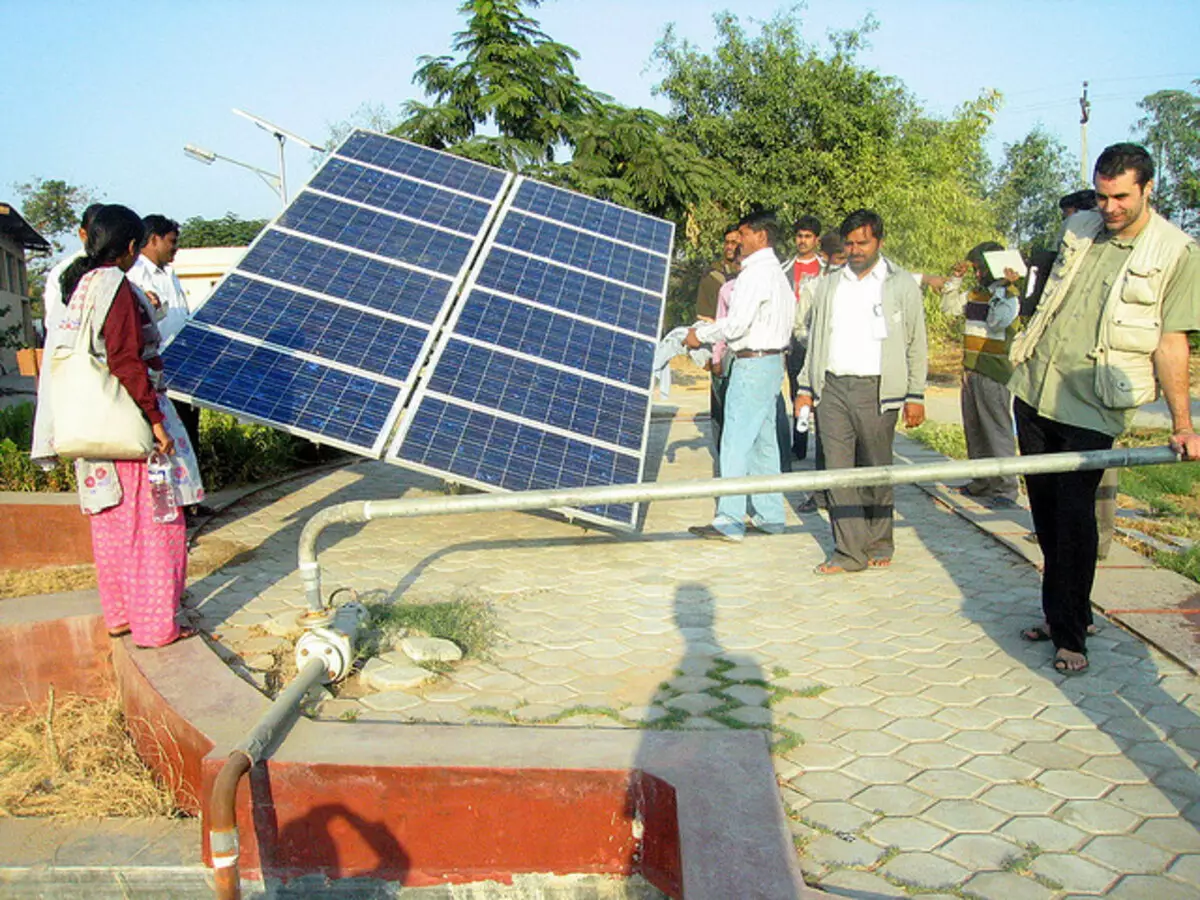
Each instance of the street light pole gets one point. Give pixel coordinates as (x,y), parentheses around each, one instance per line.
(281,135)
(208,157)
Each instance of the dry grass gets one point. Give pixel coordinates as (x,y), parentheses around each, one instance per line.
(50,580)
(74,760)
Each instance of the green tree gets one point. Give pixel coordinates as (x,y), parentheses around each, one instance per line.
(1171,131)
(510,76)
(54,207)
(227,231)
(803,129)
(1035,172)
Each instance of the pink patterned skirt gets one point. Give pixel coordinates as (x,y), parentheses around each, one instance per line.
(141,565)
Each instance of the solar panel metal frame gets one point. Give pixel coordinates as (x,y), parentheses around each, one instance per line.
(448,333)
(434,328)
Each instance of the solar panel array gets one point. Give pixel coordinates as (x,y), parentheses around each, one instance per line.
(531,357)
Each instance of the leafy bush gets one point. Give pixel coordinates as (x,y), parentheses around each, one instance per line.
(232,454)
(947,439)
(17,472)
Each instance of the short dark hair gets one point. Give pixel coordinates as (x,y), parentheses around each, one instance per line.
(1078,200)
(159,226)
(1117,159)
(85,221)
(862,218)
(831,243)
(807,223)
(762,220)
(732,229)
(975,254)
(112,229)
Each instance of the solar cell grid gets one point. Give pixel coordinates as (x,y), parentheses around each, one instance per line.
(547,335)
(584,251)
(278,389)
(421,162)
(379,233)
(401,195)
(482,447)
(550,284)
(594,215)
(349,276)
(327,330)
(544,394)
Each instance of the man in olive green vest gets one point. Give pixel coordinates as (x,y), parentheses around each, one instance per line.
(1111,329)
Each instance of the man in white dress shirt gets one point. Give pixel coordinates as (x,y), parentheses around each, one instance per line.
(152,272)
(866,360)
(756,331)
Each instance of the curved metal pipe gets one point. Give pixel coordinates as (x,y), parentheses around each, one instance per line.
(222,806)
(364,511)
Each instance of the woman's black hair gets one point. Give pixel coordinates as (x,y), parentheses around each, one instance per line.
(108,237)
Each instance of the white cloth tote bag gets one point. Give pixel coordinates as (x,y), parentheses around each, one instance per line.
(94,416)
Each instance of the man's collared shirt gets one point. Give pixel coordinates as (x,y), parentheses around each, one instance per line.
(858,327)
(163,282)
(1059,379)
(761,309)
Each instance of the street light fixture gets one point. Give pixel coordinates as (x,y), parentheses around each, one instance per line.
(208,157)
(281,135)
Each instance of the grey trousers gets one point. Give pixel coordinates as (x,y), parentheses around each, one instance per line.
(988,424)
(1106,510)
(855,433)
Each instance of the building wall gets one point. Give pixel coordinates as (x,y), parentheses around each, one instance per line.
(14,300)
(200,268)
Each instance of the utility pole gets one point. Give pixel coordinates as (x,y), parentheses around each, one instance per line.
(1085,109)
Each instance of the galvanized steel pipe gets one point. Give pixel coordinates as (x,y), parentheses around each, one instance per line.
(222,813)
(364,511)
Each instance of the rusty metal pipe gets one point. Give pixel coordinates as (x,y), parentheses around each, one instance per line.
(222,806)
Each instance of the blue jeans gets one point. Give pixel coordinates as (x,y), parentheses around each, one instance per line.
(748,442)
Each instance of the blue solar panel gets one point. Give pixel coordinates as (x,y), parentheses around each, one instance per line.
(332,331)
(570,342)
(543,378)
(544,282)
(379,233)
(583,251)
(528,390)
(339,273)
(421,162)
(278,389)
(486,448)
(594,215)
(401,195)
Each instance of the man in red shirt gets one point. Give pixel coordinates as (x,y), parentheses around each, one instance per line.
(805,265)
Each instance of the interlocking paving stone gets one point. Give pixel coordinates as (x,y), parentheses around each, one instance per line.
(893,800)
(869,743)
(817,755)
(752,715)
(1127,854)
(981,742)
(852,883)
(1044,832)
(1001,768)
(696,704)
(925,870)
(907,833)
(1176,835)
(880,770)
(1073,872)
(747,694)
(977,852)
(390,701)
(836,815)
(1186,869)
(1097,816)
(1074,785)
(830,850)
(1019,798)
(1141,887)
(1145,799)
(827,785)
(1007,886)
(692,684)
(965,816)
(947,784)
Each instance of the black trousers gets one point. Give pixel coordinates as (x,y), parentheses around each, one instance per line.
(190,416)
(1064,515)
(795,363)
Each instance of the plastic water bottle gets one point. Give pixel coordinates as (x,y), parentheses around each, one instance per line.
(802,420)
(158,467)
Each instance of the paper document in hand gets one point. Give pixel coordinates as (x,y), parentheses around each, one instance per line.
(999,260)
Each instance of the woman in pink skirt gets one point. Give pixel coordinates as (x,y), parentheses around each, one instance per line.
(141,565)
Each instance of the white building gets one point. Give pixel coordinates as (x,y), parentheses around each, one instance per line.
(16,318)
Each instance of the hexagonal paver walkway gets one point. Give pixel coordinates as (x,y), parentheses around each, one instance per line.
(920,744)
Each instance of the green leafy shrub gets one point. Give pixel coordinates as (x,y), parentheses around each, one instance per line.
(946,438)
(17,472)
(231,453)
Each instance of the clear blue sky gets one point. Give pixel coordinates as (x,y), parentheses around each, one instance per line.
(106,96)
